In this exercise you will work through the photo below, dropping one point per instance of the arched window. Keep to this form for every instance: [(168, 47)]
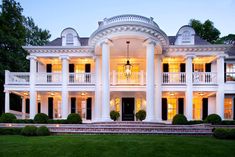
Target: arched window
[(69, 39), (186, 36)]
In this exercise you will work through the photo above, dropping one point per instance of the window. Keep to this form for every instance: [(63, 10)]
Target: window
[(69, 39), (174, 67), (198, 67), (171, 107), (228, 108), (197, 108), (186, 37), (56, 68), (230, 72)]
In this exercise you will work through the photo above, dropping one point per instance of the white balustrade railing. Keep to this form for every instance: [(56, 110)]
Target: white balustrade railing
[(20, 115), (204, 77), (173, 78), (16, 77), (81, 78), (48, 78), (119, 78), (230, 76), (128, 18)]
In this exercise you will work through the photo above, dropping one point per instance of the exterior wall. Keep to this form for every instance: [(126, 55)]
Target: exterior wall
[(211, 104)]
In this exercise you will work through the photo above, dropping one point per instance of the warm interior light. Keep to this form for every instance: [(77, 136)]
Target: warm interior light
[(127, 66), (52, 94), (201, 93), (172, 94)]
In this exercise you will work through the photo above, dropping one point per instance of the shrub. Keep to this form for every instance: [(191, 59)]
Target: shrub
[(41, 118), (114, 115), (140, 115), (10, 131), (191, 122), (7, 118), (74, 118), (179, 119), (58, 121), (228, 122), (23, 121), (29, 130), (43, 131), (223, 133), (213, 119)]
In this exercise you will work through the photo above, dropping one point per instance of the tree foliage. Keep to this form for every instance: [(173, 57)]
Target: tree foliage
[(205, 30), (16, 30), (229, 39)]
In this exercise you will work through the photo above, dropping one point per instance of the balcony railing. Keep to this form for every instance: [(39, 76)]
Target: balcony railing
[(204, 78), (17, 77), (48, 78), (81, 78), (136, 78), (174, 78)]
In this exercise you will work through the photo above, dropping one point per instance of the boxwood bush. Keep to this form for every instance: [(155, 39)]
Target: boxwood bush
[(228, 122), (43, 131), (224, 133), (114, 115), (29, 130), (213, 119), (74, 118), (141, 115), (7, 118), (192, 122), (10, 131), (57, 121), (41, 118), (179, 119), (23, 121)]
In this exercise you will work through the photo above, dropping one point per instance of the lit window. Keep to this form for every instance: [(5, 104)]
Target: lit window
[(228, 108), (230, 72), (197, 108), (199, 67), (171, 108), (69, 39), (56, 68), (174, 67)]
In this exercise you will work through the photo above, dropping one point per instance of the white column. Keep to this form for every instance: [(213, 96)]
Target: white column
[(189, 90), (158, 89), (64, 92), (32, 91), (105, 81), (220, 90), (7, 102), (97, 108), (150, 85), (23, 107)]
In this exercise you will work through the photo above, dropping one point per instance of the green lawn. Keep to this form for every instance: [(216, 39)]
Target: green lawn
[(115, 145)]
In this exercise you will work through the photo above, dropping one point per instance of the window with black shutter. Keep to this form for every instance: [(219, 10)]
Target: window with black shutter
[(204, 108), (39, 107), (50, 107), (164, 108), (181, 105), (73, 105), (88, 108), (49, 70), (165, 69), (87, 71), (27, 104)]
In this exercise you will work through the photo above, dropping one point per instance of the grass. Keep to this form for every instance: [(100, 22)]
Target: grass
[(115, 146)]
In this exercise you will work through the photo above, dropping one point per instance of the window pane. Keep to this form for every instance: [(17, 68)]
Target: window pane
[(228, 108)]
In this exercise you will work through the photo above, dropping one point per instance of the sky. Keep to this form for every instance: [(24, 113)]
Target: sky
[(170, 15)]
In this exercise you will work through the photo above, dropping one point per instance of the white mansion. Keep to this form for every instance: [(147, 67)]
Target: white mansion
[(127, 64)]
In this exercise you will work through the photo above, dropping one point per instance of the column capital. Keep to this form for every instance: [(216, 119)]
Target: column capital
[(150, 41), (189, 56), (221, 55), (64, 57), (29, 57), (106, 41)]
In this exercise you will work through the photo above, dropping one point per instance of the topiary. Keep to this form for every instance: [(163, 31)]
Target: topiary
[(179, 119), (213, 119), (7, 118), (74, 118), (43, 131), (41, 118), (114, 115), (29, 130), (140, 115)]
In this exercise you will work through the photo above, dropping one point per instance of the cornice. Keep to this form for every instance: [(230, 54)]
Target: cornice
[(59, 49)]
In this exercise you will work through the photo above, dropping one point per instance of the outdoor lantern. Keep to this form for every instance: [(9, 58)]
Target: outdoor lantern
[(127, 66)]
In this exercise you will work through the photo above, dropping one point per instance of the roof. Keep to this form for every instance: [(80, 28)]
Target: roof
[(231, 51), (84, 41)]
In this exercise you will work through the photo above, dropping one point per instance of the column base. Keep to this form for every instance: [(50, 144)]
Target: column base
[(106, 119), (150, 119)]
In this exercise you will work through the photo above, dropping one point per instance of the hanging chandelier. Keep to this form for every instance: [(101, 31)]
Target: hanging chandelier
[(127, 66)]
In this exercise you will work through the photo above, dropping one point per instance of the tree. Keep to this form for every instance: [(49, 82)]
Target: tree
[(229, 39), (205, 30), (16, 31)]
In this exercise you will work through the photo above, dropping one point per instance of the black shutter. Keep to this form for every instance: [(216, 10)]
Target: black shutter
[(181, 105), (50, 108), (73, 105), (164, 108), (88, 108), (208, 67), (165, 67), (49, 68), (71, 68), (39, 107), (182, 67), (87, 70), (27, 104), (204, 108), (225, 77), (193, 67), (234, 108)]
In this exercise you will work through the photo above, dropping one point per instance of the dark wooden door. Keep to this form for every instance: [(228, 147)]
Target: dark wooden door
[(128, 109)]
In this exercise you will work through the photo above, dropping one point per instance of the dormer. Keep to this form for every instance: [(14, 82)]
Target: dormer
[(70, 37), (185, 36)]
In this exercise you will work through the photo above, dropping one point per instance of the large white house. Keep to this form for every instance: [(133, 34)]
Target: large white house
[(127, 64)]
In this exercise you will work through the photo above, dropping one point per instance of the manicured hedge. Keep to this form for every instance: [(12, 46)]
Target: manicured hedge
[(224, 133), (179, 119), (43, 131), (41, 118), (10, 131), (213, 119), (141, 115), (192, 122), (57, 121), (7, 118), (114, 115), (23, 121), (74, 118), (29, 130), (228, 122)]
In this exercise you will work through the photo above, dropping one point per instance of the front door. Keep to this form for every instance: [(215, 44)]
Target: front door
[(128, 109)]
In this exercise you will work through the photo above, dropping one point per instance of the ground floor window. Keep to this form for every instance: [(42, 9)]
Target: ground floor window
[(171, 107), (228, 108), (197, 108)]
